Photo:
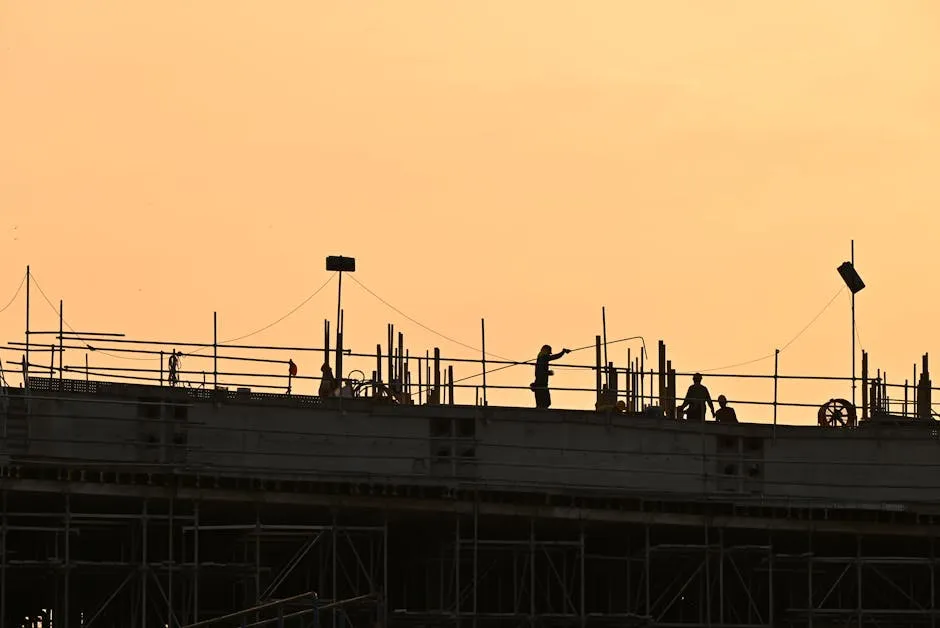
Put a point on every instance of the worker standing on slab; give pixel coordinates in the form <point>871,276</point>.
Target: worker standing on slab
<point>543,398</point>
<point>695,399</point>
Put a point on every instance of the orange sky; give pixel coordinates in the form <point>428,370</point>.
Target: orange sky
<point>697,167</point>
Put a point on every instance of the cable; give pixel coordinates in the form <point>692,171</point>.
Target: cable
<point>422,325</point>
<point>530,362</point>
<point>15,294</point>
<point>72,329</point>
<point>815,318</point>
<point>786,346</point>
<point>270,325</point>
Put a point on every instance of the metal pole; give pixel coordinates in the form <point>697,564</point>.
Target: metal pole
<point>853,329</point>
<point>483,350</point>
<point>339,305</point>
<point>61,350</point>
<point>776,377</point>
<point>604,324</point>
<point>215,349</point>
<point>26,373</point>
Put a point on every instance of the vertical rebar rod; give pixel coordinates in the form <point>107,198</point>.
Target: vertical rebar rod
<point>61,345</point>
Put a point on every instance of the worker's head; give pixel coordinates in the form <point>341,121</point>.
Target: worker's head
<point>325,367</point>
<point>722,401</point>
<point>546,349</point>
<point>697,378</point>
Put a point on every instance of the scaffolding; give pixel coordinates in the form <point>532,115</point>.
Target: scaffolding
<point>102,543</point>
<point>76,559</point>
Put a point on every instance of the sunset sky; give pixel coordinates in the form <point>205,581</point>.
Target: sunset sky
<point>699,168</point>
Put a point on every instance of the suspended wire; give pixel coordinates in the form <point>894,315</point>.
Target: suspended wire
<point>15,294</point>
<point>815,318</point>
<point>270,325</point>
<point>423,326</point>
<point>532,361</point>
<point>72,329</point>
<point>786,346</point>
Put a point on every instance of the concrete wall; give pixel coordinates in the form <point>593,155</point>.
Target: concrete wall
<point>573,452</point>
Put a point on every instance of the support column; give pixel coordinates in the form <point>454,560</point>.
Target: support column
<point>532,572</point>
<point>196,562</point>
<point>170,565</point>
<point>582,549</point>
<point>384,575</point>
<point>858,572</point>
<point>721,577</point>
<point>649,610</point>
<point>811,604</point>
<point>144,568</point>
<point>457,569</point>
<point>476,542</point>
<point>933,584</point>
<point>3,563</point>
<point>333,588</point>
<point>770,580</point>
<point>68,560</point>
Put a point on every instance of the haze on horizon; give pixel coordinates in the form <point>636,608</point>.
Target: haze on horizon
<point>697,168</point>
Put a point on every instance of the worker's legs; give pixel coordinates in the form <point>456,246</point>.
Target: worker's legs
<point>543,398</point>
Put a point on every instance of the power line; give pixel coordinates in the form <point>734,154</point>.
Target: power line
<point>15,294</point>
<point>32,276</point>
<point>422,325</point>
<point>786,346</point>
<point>270,325</point>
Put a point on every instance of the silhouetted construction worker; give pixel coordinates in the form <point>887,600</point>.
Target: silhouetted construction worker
<point>173,365</point>
<point>291,374</point>
<point>327,381</point>
<point>543,398</point>
<point>725,412</point>
<point>695,399</point>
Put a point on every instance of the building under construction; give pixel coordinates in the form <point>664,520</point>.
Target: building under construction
<point>129,502</point>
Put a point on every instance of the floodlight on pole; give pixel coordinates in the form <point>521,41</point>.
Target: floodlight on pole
<point>340,264</point>
<point>855,284</point>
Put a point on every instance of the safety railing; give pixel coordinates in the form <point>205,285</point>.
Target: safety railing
<point>395,375</point>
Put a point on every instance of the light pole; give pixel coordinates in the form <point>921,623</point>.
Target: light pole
<point>856,285</point>
<point>340,264</point>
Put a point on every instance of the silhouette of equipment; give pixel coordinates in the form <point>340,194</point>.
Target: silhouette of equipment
<point>837,413</point>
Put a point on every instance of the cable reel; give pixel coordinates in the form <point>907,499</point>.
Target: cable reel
<point>837,413</point>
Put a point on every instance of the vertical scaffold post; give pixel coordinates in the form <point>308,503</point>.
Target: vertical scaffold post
<point>597,368</point>
<point>215,349</point>
<point>61,348</point>
<point>68,560</point>
<point>437,375</point>
<point>864,385</point>
<point>776,379</point>
<point>391,352</point>
<point>483,352</point>
<point>26,364</point>
<point>3,561</point>
<point>326,341</point>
